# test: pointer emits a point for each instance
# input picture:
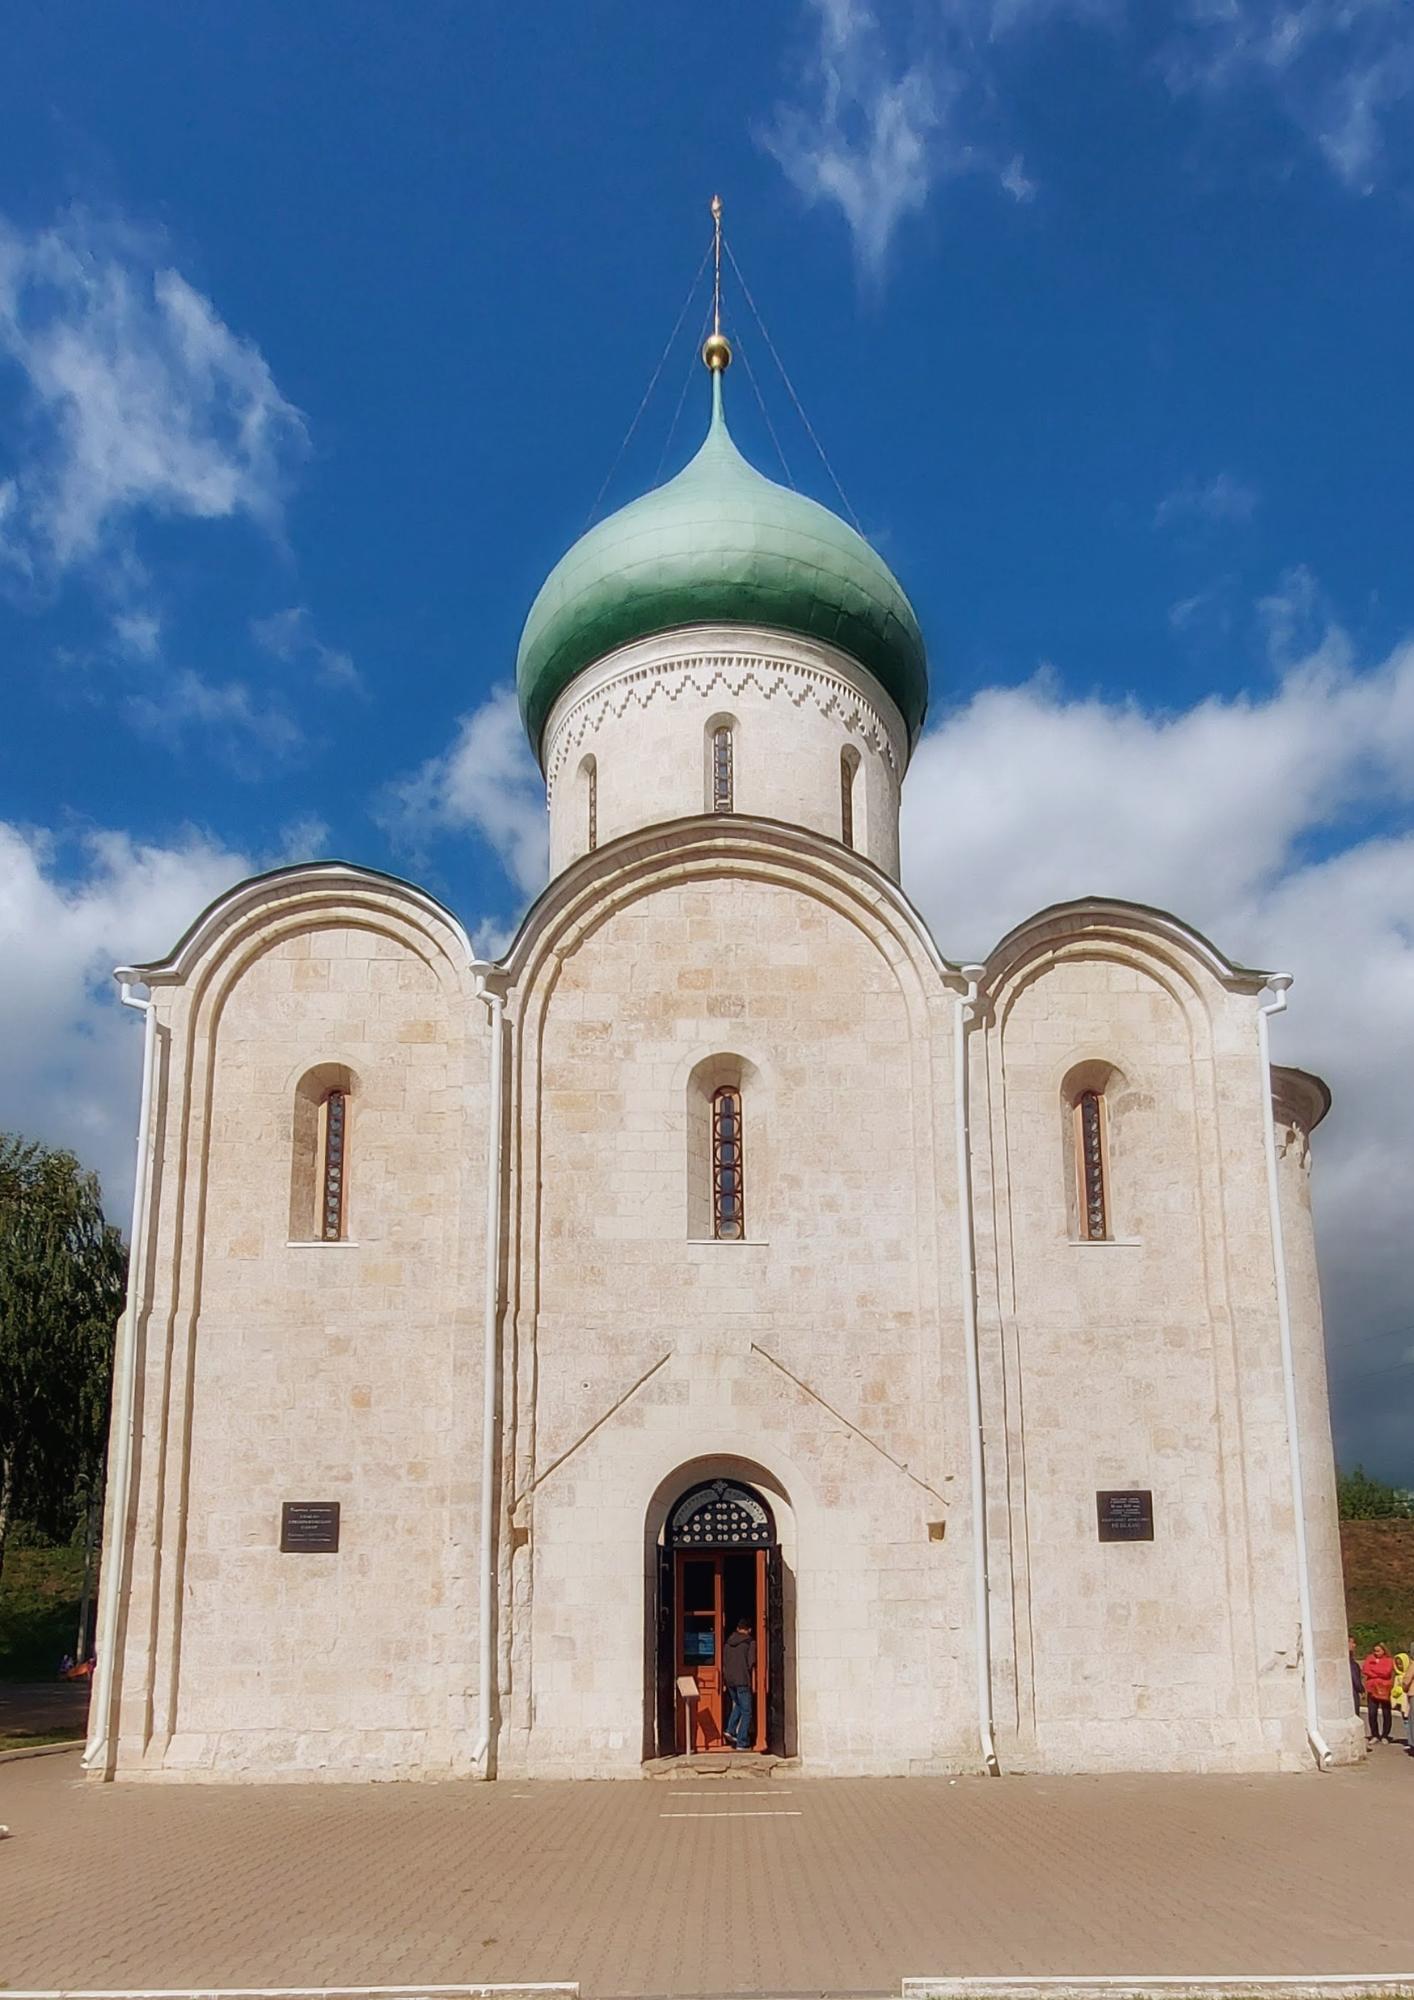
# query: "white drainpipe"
(99, 1752)
(490, 1358)
(982, 1616)
(1320, 1749)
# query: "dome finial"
(717, 349)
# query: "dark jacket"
(739, 1661)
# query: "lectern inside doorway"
(719, 1562)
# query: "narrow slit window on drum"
(722, 768)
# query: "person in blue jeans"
(739, 1679)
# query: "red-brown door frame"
(763, 1652)
(708, 1729)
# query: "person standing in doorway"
(1379, 1682)
(739, 1680)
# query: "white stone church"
(501, 1334)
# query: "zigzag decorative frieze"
(721, 673)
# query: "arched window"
(1092, 1166)
(723, 1090)
(333, 1164)
(722, 773)
(589, 771)
(849, 765)
(728, 1188)
(319, 1168)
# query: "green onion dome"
(719, 544)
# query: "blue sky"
(321, 328)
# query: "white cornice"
(281, 885)
(1087, 913)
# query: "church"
(504, 1336)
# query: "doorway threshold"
(726, 1765)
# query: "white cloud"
(1338, 68)
(304, 839)
(74, 904)
(1295, 615)
(132, 398)
(71, 908)
(229, 717)
(492, 936)
(1026, 797)
(1207, 614)
(1222, 501)
(136, 398)
(1015, 180)
(890, 102)
(487, 781)
(290, 636)
(138, 634)
(870, 136)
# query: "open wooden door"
(698, 1647)
(718, 1566)
(667, 1684)
(775, 1676)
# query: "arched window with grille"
(333, 1165)
(724, 1097)
(1092, 1166)
(728, 1184)
(723, 772)
(319, 1175)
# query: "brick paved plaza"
(702, 1885)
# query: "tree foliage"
(61, 1291)
(1362, 1498)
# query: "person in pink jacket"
(1379, 1685)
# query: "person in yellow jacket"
(1399, 1693)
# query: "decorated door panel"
(700, 1638)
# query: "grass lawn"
(1379, 1582)
(39, 1611)
(30, 1739)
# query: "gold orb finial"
(717, 353)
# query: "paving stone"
(793, 1886)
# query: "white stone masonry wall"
(291, 1371)
(809, 1352)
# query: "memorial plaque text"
(309, 1527)
(1126, 1517)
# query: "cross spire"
(717, 351)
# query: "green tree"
(1361, 1498)
(61, 1291)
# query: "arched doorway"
(719, 1561)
